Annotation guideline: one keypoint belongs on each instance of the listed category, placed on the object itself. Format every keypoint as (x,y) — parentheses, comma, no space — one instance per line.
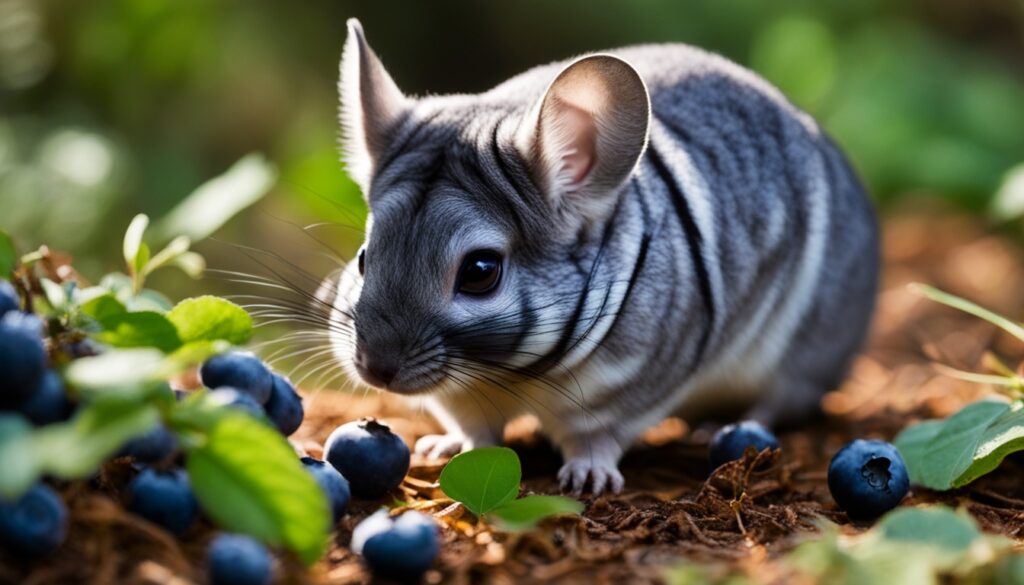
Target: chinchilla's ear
(372,106)
(586,134)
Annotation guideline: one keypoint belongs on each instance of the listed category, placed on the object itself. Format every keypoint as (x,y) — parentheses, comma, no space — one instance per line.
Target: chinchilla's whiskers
(474,393)
(487,378)
(325,364)
(331,253)
(342,209)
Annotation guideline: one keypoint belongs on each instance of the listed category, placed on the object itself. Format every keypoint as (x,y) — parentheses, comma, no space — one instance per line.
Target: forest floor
(741,520)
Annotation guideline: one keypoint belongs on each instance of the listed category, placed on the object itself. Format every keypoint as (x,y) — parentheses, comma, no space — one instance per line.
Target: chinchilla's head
(485,218)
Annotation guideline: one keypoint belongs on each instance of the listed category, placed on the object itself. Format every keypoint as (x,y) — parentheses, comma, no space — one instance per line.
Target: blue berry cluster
(241,380)
(28,385)
(867,478)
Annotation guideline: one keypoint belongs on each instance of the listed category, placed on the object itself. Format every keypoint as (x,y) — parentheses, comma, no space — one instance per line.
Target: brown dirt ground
(740,519)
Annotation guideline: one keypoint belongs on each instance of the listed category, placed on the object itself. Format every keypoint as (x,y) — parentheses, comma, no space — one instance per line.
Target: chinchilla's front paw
(601,473)
(442,446)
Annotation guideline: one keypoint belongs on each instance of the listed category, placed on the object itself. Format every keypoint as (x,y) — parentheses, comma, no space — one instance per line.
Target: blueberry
(730,442)
(401,549)
(9,300)
(236,559)
(35,524)
(233,398)
(333,483)
(372,458)
(165,498)
(241,370)
(22,358)
(867,478)
(49,403)
(284,408)
(156,445)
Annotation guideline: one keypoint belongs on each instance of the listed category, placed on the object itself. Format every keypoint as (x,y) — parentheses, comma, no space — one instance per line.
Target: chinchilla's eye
(361,258)
(480,272)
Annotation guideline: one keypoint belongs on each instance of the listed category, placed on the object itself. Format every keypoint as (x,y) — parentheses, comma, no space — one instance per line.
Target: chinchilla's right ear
(372,106)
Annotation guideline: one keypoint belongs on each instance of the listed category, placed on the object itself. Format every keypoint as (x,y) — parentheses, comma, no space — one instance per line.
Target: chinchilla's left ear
(372,106)
(585,135)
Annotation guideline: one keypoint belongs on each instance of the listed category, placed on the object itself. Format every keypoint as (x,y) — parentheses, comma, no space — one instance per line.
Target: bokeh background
(109,108)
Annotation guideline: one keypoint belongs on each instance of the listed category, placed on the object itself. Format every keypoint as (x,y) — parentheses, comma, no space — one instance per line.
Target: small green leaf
(72,449)
(190,263)
(210,318)
(141,259)
(936,526)
(102,307)
(55,294)
(524,513)
(949,453)
(122,368)
(139,329)
(248,479)
(482,479)
(133,239)
(20,468)
(177,247)
(219,199)
(78,447)
(194,353)
(8,255)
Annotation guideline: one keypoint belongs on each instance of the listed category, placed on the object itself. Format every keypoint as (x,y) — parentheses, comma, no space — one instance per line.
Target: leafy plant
(244,473)
(909,545)
(950,453)
(486,481)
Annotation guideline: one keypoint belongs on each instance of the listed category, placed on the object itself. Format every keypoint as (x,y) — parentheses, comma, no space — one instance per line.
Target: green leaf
(482,479)
(218,200)
(55,294)
(121,328)
(20,468)
(945,454)
(8,255)
(139,329)
(248,479)
(908,545)
(191,264)
(210,318)
(937,526)
(133,239)
(194,353)
(122,368)
(72,449)
(966,306)
(177,247)
(524,513)
(141,259)
(99,430)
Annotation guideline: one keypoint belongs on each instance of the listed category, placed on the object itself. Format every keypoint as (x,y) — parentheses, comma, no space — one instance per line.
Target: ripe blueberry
(284,408)
(164,498)
(372,458)
(731,441)
(9,300)
(233,398)
(22,358)
(240,370)
(867,478)
(35,524)
(401,549)
(333,483)
(49,403)
(236,559)
(156,445)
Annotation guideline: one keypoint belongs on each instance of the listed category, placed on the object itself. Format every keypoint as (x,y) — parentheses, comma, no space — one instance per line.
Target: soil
(740,519)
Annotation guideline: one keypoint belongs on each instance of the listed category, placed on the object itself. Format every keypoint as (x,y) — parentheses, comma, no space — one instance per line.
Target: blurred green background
(109,108)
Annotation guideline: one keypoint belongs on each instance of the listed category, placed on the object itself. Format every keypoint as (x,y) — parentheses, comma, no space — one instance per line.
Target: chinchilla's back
(780,240)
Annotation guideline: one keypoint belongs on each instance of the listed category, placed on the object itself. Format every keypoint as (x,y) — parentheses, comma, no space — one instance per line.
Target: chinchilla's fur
(675,238)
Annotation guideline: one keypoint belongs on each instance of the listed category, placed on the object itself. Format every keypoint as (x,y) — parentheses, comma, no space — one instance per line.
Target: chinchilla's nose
(377,369)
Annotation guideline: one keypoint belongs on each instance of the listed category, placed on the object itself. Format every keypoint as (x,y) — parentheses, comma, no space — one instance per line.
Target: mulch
(740,519)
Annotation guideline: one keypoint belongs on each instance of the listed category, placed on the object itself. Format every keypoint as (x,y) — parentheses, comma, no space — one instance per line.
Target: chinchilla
(601,242)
